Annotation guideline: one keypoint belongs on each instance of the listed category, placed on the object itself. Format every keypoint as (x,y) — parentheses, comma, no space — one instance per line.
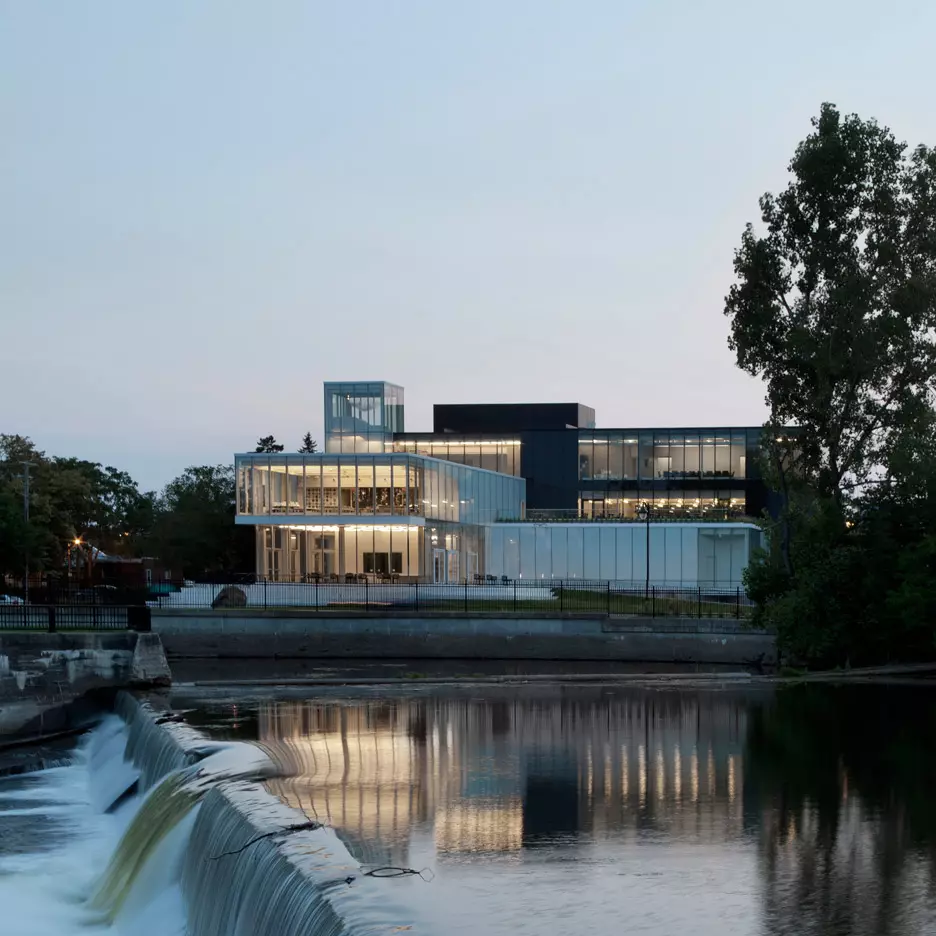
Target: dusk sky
(210,208)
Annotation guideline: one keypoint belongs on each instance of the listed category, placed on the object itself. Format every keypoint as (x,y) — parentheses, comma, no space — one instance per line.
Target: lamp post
(643,511)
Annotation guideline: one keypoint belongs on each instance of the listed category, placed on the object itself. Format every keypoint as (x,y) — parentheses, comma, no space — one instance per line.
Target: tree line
(189,525)
(834,308)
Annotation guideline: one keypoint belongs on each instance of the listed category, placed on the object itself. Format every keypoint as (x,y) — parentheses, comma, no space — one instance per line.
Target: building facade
(502,490)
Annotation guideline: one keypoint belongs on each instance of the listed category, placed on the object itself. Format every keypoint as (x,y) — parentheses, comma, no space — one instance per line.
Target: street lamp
(76,542)
(643,512)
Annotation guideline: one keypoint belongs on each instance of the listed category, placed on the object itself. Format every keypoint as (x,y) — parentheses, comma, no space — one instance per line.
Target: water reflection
(806,811)
(503,774)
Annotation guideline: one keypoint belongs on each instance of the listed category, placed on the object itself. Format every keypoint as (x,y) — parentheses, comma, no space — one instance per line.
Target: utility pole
(26,466)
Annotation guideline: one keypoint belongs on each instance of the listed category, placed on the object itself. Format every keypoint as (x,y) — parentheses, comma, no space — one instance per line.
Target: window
(381,563)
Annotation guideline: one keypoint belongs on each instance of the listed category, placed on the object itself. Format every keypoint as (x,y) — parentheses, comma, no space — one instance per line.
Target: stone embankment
(46,679)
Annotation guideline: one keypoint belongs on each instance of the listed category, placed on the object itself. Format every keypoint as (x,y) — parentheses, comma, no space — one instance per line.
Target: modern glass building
(503,490)
(344,517)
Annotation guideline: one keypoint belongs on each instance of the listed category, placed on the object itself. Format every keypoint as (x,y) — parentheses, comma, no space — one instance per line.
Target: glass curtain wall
(681,555)
(621,455)
(375,486)
(362,417)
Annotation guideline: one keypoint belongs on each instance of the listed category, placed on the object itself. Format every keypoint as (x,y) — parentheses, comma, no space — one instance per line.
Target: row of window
(389,486)
(663,505)
(667,456)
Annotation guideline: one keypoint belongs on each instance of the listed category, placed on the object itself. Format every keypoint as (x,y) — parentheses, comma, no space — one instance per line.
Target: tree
(194,529)
(834,307)
(309,445)
(268,444)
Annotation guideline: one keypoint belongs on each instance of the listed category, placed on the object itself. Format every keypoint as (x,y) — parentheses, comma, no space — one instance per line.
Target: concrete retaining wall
(250,634)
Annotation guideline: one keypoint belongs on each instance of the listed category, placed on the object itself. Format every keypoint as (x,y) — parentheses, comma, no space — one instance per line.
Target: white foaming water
(45,892)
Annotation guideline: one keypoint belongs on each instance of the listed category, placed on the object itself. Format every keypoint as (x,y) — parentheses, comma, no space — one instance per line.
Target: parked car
(10,600)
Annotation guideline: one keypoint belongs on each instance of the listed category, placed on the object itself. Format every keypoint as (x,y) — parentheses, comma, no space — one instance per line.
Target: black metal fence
(600,597)
(74,617)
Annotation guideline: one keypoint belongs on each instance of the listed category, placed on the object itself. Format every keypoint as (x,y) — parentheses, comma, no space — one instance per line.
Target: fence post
(700,602)
(653,601)
(416,587)
(366,596)
(264,592)
(515,596)
(466,596)
(51,619)
(738,604)
(609,597)
(316,594)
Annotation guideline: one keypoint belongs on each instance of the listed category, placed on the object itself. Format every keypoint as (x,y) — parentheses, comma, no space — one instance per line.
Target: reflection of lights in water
(607,773)
(625,778)
(465,826)
(591,775)
(677,774)
(642,775)
(731,778)
(660,775)
(711,772)
(694,774)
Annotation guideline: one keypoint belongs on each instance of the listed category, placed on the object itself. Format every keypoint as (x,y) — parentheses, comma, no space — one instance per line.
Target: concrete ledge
(298,635)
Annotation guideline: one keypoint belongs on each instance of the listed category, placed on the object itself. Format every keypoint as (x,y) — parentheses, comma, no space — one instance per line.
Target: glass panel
(383,494)
(607,567)
(330,488)
(662,466)
(646,455)
(708,456)
(625,563)
(722,456)
(738,459)
(615,458)
(575,552)
(677,453)
(415,488)
(527,552)
(243,487)
(348,484)
(560,550)
(278,485)
(585,458)
(544,565)
(600,459)
(512,552)
(591,540)
(489,457)
(313,487)
(295,486)
(472,455)
(630,458)
(692,457)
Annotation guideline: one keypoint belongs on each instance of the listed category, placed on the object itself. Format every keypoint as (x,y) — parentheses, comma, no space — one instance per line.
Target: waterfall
(164,807)
(246,863)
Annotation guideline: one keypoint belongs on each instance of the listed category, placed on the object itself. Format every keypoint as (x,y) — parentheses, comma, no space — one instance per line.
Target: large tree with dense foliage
(194,531)
(834,307)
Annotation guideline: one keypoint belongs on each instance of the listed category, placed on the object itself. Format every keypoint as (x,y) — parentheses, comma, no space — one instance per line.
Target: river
(548,808)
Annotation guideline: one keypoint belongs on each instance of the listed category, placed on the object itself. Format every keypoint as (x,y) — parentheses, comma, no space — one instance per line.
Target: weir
(245,862)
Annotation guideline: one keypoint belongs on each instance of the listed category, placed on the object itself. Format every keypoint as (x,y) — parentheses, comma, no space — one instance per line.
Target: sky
(209,208)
